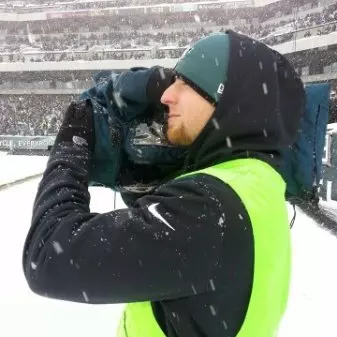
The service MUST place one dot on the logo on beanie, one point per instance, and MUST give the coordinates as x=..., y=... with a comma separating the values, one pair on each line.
x=221, y=88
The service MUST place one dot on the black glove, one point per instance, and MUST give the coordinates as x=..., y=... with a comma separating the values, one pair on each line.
x=158, y=82
x=77, y=125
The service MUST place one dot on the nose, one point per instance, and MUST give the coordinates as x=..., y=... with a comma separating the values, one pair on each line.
x=169, y=96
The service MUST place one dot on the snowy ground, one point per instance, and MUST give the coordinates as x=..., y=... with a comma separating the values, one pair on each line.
x=311, y=311
x=313, y=302
x=13, y=167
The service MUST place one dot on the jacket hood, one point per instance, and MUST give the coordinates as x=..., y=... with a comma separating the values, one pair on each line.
x=259, y=111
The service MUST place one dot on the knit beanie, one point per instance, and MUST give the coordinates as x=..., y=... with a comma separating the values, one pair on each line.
x=204, y=66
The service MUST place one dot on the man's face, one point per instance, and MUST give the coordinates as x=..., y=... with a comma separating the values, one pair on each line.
x=188, y=113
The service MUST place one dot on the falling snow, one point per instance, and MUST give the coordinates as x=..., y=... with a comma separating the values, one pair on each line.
x=306, y=300
x=215, y=123
x=85, y=296
x=312, y=307
x=118, y=99
x=130, y=214
x=225, y=325
x=212, y=310
x=57, y=247
x=162, y=73
x=197, y=18
x=211, y=282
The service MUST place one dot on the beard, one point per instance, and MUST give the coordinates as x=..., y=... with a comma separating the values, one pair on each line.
x=177, y=135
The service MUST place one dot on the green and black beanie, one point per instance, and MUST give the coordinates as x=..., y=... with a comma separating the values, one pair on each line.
x=204, y=66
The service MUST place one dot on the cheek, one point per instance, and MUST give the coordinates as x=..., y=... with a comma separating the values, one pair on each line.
x=198, y=122
x=188, y=123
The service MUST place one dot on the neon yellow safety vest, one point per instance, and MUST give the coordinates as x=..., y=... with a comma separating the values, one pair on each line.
x=262, y=191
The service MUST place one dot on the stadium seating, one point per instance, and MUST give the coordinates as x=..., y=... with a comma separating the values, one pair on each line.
x=88, y=32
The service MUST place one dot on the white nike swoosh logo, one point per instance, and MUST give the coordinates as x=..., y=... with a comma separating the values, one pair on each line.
x=153, y=211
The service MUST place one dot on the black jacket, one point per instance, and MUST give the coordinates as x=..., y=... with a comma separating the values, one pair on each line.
x=188, y=247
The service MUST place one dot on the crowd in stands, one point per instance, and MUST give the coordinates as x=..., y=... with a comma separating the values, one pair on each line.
x=135, y=18
x=31, y=115
x=112, y=45
x=111, y=40
x=325, y=21
x=83, y=35
x=307, y=62
x=103, y=37
x=41, y=115
x=32, y=6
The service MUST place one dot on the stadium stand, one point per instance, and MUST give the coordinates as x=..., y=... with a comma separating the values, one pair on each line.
x=77, y=34
x=155, y=25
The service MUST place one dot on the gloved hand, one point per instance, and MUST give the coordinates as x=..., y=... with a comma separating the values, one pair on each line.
x=135, y=93
x=77, y=125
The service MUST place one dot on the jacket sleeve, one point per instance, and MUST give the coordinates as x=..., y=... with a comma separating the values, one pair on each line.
x=167, y=246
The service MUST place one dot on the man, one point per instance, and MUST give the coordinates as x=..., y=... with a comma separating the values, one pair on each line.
x=207, y=253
